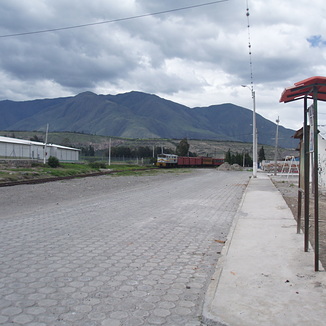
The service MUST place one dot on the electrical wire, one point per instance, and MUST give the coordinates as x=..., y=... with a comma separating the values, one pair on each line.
x=112, y=21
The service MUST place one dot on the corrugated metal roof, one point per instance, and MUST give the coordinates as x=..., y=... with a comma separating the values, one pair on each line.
x=63, y=147
x=306, y=87
x=4, y=139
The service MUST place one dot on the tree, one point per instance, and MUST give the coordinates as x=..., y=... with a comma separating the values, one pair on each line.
x=261, y=154
x=248, y=160
x=36, y=138
x=121, y=151
x=227, y=157
x=88, y=151
x=66, y=142
x=144, y=151
x=183, y=147
x=238, y=158
x=53, y=162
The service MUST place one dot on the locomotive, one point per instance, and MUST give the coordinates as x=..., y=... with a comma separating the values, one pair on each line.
x=171, y=160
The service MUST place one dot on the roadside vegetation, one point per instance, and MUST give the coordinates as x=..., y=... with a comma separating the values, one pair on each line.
x=50, y=170
x=95, y=147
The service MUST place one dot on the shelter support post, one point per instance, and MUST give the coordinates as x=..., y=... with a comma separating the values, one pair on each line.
x=306, y=176
x=316, y=191
x=299, y=215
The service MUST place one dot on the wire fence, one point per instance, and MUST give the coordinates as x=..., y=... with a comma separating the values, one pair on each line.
x=118, y=160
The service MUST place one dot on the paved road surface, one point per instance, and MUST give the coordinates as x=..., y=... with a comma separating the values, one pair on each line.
x=109, y=251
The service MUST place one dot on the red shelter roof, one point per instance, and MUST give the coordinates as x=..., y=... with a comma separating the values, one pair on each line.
x=304, y=88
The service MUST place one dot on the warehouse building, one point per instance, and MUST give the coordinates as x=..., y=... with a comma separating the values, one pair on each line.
x=13, y=148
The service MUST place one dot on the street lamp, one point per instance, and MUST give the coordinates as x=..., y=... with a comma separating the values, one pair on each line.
x=254, y=132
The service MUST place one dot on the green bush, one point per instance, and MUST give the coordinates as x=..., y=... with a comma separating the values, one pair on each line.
x=97, y=165
x=53, y=162
x=36, y=164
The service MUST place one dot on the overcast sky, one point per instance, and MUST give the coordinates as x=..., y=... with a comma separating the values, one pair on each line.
x=196, y=57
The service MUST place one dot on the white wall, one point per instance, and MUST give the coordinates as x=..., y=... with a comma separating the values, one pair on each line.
x=322, y=162
x=18, y=148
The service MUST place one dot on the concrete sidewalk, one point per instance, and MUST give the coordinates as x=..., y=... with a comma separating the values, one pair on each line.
x=264, y=277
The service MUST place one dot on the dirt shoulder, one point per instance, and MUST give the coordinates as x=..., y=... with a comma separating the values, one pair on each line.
x=288, y=187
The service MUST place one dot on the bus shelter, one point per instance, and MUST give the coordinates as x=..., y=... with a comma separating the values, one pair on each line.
x=313, y=89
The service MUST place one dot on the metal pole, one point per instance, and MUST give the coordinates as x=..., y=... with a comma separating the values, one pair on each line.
x=46, y=140
x=299, y=211
x=316, y=206
x=254, y=130
x=110, y=152
x=276, y=145
x=306, y=170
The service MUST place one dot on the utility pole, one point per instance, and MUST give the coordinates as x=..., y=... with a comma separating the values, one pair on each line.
x=276, y=145
x=254, y=128
x=254, y=168
x=254, y=131
x=46, y=141
x=110, y=152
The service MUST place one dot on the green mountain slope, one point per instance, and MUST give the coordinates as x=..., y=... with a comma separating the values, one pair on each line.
x=139, y=115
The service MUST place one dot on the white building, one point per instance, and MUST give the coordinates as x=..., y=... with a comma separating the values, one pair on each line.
x=322, y=160
x=13, y=148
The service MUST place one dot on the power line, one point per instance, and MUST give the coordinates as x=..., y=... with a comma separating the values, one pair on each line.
x=249, y=47
x=113, y=20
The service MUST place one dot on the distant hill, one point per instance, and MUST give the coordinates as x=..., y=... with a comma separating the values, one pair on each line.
x=140, y=115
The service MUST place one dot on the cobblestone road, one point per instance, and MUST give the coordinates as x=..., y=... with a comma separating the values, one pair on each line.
x=139, y=253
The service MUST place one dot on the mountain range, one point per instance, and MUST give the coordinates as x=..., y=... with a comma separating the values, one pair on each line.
x=140, y=115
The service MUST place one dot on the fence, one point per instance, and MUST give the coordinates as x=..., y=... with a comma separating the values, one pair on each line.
x=281, y=166
x=119, y=160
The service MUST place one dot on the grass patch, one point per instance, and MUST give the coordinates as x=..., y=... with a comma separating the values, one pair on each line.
x=64, y=170
x=43, y=171
x=118, y=167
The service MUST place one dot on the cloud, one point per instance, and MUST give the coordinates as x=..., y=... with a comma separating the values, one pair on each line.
x=197, y=57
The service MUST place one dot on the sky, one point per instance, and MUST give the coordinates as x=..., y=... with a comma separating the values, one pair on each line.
x=197, y=56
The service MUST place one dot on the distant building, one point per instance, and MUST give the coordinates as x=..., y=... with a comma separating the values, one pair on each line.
x=13, y=148
x=321, y=157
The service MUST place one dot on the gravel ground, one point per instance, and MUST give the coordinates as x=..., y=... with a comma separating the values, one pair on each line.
x=288, y=186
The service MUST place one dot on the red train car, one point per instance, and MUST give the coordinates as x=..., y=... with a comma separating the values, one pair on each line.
x=183, y=161
x=207, y=161
x=168, y=160
x=218, y=161
x=189, y=161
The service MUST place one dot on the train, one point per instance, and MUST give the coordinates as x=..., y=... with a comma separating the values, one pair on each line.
x=171, y=160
